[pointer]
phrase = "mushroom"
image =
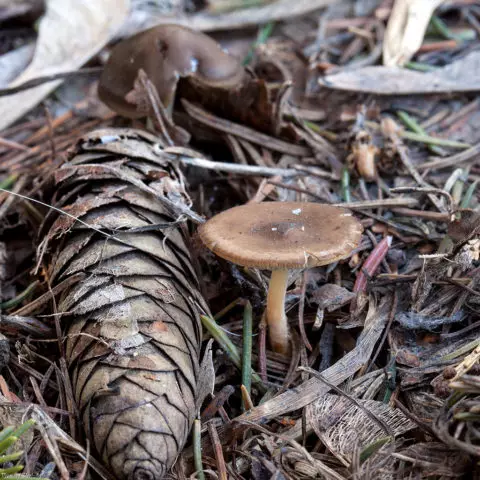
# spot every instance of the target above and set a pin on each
(165, 53)
(280, 236)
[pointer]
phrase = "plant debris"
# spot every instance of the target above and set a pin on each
(138, 352)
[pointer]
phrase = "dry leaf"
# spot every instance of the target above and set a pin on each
(405, 30)
(14, 62)
(70, 33)
(344, 427)
(20, 8)
(279, 10)
(401, 81)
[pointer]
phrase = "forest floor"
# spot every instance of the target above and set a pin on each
(372, 106)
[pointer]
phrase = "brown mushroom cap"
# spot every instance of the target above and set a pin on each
(165, 53)
(274, 235)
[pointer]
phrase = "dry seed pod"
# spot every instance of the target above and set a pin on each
(132, 328)
(362, 156)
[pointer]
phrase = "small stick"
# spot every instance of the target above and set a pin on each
(262, 349)
(453, 160)
(301, 309)
(239, 169)
(297, 189)
(13, 145)
(217, 403)
(371, 264)
(246, 133)
(387, 202)
(247, 352)
(429, 191)
(35, 82)
(217, 448)
(427, 214)
(326, 346)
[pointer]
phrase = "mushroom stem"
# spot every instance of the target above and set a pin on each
(276, 318)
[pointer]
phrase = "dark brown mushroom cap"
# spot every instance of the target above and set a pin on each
(165, 53)
(273, 235)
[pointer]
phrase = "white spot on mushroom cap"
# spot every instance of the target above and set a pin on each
(297, 211)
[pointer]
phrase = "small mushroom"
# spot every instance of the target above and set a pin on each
(165, 53)
(279, 236)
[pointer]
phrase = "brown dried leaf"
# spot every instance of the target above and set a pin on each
(331, 296)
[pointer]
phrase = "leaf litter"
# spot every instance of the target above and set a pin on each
(106, 283)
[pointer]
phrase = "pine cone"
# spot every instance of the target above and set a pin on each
(132, 323)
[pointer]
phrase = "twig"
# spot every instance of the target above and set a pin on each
(246, 133)
(371, 264)
(387, 202)
(428, 190)
(262, 349)
(240, 169)
(217, 402)
(35, 82)
(218, 450)
(427, 214)
(13, 145)
(247, 349)
(453, 160)
(301, 309)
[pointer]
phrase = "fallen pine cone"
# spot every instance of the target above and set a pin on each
(132, 327)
